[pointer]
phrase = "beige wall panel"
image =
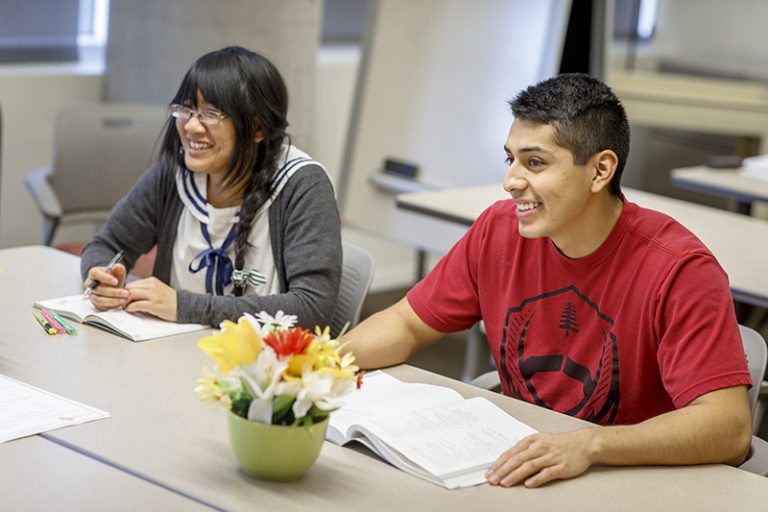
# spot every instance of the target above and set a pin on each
(152, 43)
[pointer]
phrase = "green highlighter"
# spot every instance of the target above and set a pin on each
(70, 330)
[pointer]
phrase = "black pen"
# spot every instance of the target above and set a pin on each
(114, 261)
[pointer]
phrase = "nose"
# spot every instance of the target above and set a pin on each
(197, 125)
(514, 181)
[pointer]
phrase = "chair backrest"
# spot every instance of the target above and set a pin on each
(100, 151)
(757, 358)
(356, 277)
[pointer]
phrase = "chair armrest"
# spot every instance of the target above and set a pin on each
(36, 181)
(758, 457)
(488, 380)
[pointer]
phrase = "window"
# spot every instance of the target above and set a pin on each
(93, 22)
(51, 30)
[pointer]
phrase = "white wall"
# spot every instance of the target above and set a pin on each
(336, 75)
(30, 96)
(152, 44)
(719, 33)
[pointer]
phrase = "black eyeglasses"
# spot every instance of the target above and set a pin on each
(208, 116)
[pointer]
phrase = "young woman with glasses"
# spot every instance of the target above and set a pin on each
(243, 220)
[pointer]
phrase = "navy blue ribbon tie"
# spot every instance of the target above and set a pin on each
(216, 262)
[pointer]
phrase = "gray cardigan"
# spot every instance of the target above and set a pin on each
(305, 234)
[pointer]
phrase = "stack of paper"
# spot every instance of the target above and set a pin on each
(755, 167)
(26, 410)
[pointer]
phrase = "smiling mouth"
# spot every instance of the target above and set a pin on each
(199, 146)
(527, 207)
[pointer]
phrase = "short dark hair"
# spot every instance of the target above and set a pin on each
(248, 88)
(585, 115)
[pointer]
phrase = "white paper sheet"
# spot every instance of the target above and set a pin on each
(26, 410)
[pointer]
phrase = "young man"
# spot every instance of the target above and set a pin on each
(594, 306)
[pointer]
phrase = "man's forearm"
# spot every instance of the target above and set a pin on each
(715, 428)
(389, 337)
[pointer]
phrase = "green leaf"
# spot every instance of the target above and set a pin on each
(282, 412)
(241, 401)
(281, 409)
(314, 415)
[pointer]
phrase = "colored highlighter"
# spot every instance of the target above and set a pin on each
(59, 329)
(48, 327)
(70, 330)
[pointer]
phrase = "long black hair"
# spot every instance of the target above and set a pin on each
(248, 88)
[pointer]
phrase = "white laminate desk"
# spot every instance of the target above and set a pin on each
(39, 475)
(698, 104)
(728, 183)
(740, 243)
(161, 432)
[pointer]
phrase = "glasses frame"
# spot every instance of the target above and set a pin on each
(214, 116)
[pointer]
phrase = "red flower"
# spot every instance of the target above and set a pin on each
(359, 382)
(289, 342)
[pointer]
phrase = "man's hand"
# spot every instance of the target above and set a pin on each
(540, 458)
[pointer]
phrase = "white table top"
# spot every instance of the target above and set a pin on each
(728, 183)
(694, 103)
(161, 431)
(740, 243)
(38, 474)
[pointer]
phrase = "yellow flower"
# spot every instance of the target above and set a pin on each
(209, 390)
(236, 344)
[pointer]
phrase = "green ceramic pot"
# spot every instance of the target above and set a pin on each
(275, 452)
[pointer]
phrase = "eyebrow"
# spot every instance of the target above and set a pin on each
(530, 149)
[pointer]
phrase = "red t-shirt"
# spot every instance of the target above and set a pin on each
(642, 326)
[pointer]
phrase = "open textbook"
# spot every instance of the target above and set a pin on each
(134, 326)
(428, 431)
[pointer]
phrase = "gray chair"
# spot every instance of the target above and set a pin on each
(757, 360)
(99, 151)
(756, 352)
(356, 277)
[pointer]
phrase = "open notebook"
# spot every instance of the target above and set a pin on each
(134, 326)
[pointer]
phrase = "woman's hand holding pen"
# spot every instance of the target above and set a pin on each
(148, 295)
(110, 293)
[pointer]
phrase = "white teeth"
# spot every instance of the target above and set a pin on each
(524, 207)
(199, 145)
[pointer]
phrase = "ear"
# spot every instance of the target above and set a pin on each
(259, 136)
(604, 164)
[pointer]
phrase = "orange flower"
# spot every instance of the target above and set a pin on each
(289, 342)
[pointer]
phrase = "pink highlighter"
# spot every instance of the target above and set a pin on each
(56, 325)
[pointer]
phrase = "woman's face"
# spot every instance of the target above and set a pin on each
(207, 148)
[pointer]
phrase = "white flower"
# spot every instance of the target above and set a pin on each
(321, 389)
(268, 323)
(260, 411)
(261, 376)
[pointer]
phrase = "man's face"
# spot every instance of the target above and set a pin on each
(551, 192)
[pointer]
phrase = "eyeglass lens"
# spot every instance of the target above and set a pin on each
(204, 116)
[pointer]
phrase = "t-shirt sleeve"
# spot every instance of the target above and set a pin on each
(699, 352)
(447, 298)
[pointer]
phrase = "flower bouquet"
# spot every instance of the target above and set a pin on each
(280, 384)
